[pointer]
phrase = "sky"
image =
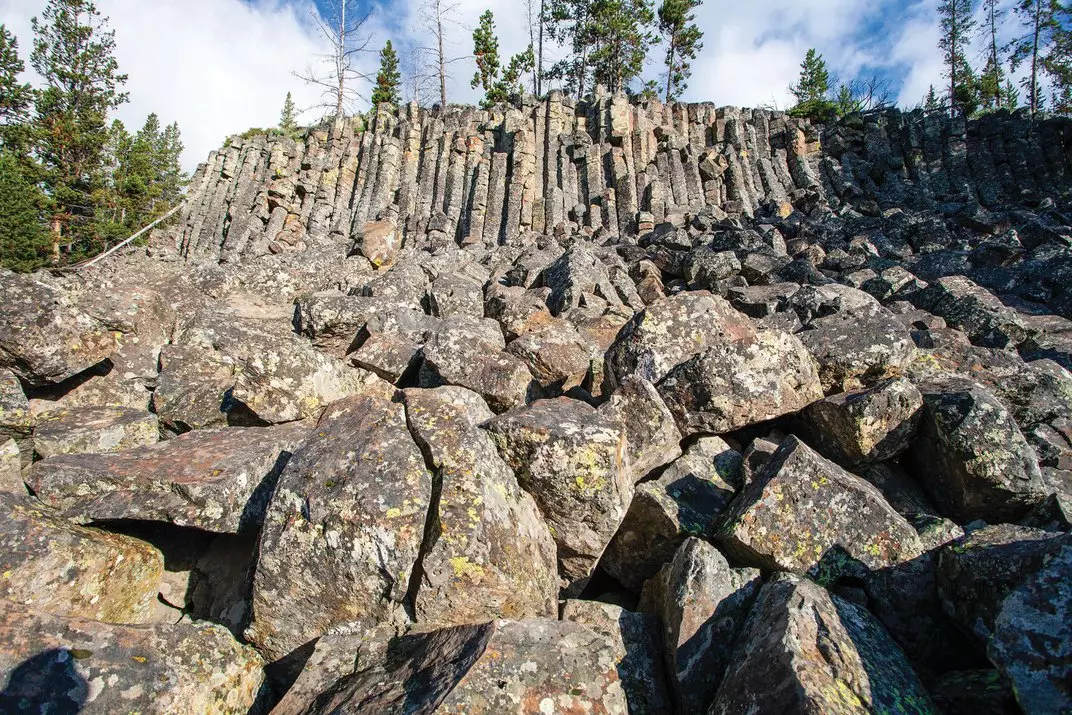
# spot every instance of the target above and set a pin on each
(219, 67)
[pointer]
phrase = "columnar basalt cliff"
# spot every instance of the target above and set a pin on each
(589, 407)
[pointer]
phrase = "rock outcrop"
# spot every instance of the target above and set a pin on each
(595, 406)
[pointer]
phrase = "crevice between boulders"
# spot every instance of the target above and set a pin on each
(432, 527)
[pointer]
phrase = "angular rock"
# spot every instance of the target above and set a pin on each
(651, 436)
(1032, 641)
(805, 514)
(192, 386)
(502, 667)
(702, 604)
(342, 533)
(973, 309)
(379, 242)
(93, 430)
(977, 572)
(577, 274)
(334, 320)
(686, 500)
(43, 337)
(388, 355)
(76, 665)
(570, 458)
(669, 332)
(803, 650)
(11, 468)
(490, 554)
(456, 294)
(865, 426)
(556, 355)
(971, 457)
(217, 480)
(54, 566)
(735, 384)
(855, 350)
(16, 419)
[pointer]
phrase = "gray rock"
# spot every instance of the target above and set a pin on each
(805, 514)
(556, 355)
(973, 309)
(192, 387)
(971, 457)
(855, 350)
(570, 458)
(94, 430)
(702, 604)
(1032, 641)
(56, 664)
(341, 535)
(803, 650)
(652, 438)
(217, 480)
(735, 384)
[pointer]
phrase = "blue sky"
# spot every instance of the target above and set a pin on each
(221, 66)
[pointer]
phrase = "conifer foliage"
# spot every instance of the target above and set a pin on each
(679, 31)
(957, 21)
(388, 79)
(288, 121)
(620, 36)
(499, 86)
(812, 90)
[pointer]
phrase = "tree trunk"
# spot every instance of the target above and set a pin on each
(442, 59)
(539, 58)
(1034, 58)
(669, 69)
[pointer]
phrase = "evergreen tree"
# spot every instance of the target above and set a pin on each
(957, 24)
(288, 124)
(509, 85)
(992, 80)
(847, 102)
(24, 243)
(569, 23)
(15, 96)
(170, 174)
(682, 36)
(388, 79)
(1044, 46)
(486, 52)
(619, 37)
(812, 90)
(74, 55)
(931, 103)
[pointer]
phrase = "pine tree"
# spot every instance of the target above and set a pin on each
(847, 102)
(288, 124)
(931, 103)
(1045, 46)
(619, 36)
(509, 84)
(569, 23)
(992, 80)
(486, 52)
(15, 96)
(74, 55)
(682, 36)
(957, 24)
(388, 79)
(812, 90)
(24, 242)
(171, 176)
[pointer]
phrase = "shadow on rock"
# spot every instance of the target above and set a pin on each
(47, 682)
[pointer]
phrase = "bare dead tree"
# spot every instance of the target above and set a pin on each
(336, 72)
(417, 81)
(437, 17)
(536, 12)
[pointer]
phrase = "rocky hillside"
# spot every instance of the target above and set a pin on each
(576, 408)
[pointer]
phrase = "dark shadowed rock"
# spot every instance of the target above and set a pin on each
(1032, 641)
(686, 500)
(977, 572)
(217, 480)
(803, 650)
(702, 604)
(344, 528)
(856, 350)
(489, 554)
(570, 458)
(970, 455)
(75, 665)
(805, 514)
(974, 692)
(49, 564)
(973, 309)
(735, 384)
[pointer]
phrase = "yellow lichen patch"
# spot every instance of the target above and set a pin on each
(463, 568)
(394, 513)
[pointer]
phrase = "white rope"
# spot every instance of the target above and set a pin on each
(115, 248)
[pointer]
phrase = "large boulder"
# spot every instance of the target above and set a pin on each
(556, 355)
(490, 555)
(805, 514)
(44, 338)
(192, 387)
(344, 528)
(702, 604)
(379, 242)
(217, 480)
(74, 665)
(652, 438)
(971, 457)
(570, 458)
(803, 650)
(734, 384)
(865, 426)
(49, 564)
(497, 668)
(856, 350)
(1032, 641)
(16, 418)
(975, 310)
(670, 332)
